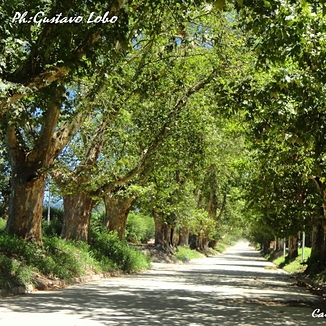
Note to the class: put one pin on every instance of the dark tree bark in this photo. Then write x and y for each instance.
(163, 233)
(199, 242)
(77, 216)
(279, 244)
(318, 250)
(117, 210)
(292, 247)
(318, 237)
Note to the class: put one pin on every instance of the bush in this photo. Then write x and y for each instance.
(140, 228)
(64, 259)
(118, 251)
(56, 222)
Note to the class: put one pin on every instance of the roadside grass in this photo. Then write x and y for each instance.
(296, 265)
(185, 254)
(62, 259)
(221, 247)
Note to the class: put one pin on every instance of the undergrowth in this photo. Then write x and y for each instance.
(295, 265)
(185, 254)
(58, 258)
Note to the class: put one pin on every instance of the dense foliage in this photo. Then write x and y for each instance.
(182, 121)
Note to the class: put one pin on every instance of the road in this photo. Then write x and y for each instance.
(236, 288)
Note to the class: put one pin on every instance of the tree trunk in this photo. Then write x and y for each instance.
(175, 237)
(279, 244)
(184, 237)
(117, 210)
(318, 241)
(26, 203)
(163, 233)
(77, 216)
(292, 247)
(202, 243)
(199, 242)
(213, 244)
(28, 166)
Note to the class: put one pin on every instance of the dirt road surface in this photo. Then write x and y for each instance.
(236, 288)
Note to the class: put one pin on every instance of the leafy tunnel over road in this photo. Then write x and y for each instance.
(236, 288)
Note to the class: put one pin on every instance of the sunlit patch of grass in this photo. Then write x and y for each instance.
(296, 265)
(220, 247)
(185, 254)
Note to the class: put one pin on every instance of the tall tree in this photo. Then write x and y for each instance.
(41, 63)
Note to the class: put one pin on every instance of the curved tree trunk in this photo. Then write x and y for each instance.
(77, 216)
(117, 210)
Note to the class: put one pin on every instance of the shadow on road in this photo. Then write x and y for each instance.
(212, 291)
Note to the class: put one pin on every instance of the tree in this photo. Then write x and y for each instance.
(42, 68)
(285, 96)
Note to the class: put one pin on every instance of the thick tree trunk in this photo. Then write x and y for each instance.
(26, 203)
(77, 216)
(318, 241)
(117, 210)
(213, 244)
(292, 247)
(202, 243)
(163, 233)
(279, 244)
(199, 242)
(184, 237)
(29, 165)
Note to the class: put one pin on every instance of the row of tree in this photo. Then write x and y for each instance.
(122, 113)
(205, 115)
(284, 103)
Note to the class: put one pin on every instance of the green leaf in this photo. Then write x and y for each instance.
(219, 4)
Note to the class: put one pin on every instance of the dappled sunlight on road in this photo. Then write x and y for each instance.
(231, 289)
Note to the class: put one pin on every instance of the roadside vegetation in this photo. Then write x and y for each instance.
(20, 260)
(185, 122)
(185, 254)
(295, 265)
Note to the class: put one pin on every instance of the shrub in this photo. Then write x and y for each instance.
(118, 251)
(64, 259)
(140, 228)
(56, 222)
(13, 273)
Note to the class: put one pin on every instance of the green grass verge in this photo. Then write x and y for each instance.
(296, 265)
(62, 259)
(221, 247)
(185, 254)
